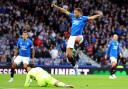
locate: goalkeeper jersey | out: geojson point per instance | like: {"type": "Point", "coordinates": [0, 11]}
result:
{"type": "Point", "coordinates": [36, 73]}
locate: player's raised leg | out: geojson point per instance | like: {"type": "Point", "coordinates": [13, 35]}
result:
{"type": "Point", "coordinates": [70, 57]}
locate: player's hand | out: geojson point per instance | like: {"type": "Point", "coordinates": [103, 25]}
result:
{"type": "Point", "coordinates": [100, 13]}
{"type": "Point", "coordinates": [106, 57]}
{"type": "Point", "coordinates": [121, 56]}
{"type": "Point", "coordinates": [53, 5]}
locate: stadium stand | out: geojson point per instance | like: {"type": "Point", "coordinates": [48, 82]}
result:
{"type": "Point", "coordinates": [49, 29]}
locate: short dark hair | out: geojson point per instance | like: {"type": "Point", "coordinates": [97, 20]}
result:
{"type": "Point", "coordinates": [31, 65]}
{"type": "Point", "coordinates": [79, 10]}
{"type": "Point", "coordinates": [24, 32]}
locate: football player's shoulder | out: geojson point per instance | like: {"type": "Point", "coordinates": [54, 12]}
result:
{"type": "Point", "coordinates": [38, 68]}
{"type": "Point", "coordinates": [29, 40]}
{"type": "Point", "coordinates": [85, 18]}
{"type": "Point", "coordinates": [20, 39]}
{"type": "Point", "coordinates": [111, 41]}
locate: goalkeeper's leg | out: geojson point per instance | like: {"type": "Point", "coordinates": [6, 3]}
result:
{"type": "Point", "coordinates": [61, 84]}
{"type": "Point", "coordinates": [52, 81]}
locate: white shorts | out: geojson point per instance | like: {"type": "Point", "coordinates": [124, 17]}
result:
{"type": "Point", "coordinates": [113, 59]}
{"type": "Point", "coordinates": [20, 59]}
{"type": "Point", "coordinates": [71, 41]}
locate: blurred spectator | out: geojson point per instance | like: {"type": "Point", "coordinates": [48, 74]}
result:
{"type": "Point", "coordinates": [125, 52]}
{"type": "Point", "coordinates": [54, 53]}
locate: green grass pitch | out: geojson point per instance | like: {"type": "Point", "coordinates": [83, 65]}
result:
{"type": "Point", "coordinates": [79, 82]}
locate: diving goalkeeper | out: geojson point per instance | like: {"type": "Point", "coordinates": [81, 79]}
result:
{"type": "Point", "coordinates": [43, 78]}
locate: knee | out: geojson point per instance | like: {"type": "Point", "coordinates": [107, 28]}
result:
{"type": "Point", "coordinates": [69, 55]}
{"type": "Point", "coordinates": [25, 66]}
{"type": "Point", "coordinates": [114, 64]}
{"type": "Point", "coordinates": [42, 84]}
{"type": "Point", "coordinates": [13, 65]}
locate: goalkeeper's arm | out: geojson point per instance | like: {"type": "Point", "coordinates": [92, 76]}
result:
{"type": "Point", "coordinates": [61, 9]}
{"type": "Point", "coordinates": [27, 82]}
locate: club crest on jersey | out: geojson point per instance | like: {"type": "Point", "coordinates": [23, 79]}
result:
{"type": "Point", "coordinates": [23, 48]}
{"type": "Point", "coordinates": [27, 43]}
{"type": "Point", "coordinates": [76, 22]}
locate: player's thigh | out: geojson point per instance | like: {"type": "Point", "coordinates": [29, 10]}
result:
{"type": "Point", "coordinates": [80, 39]}
{"type": "Point", "coordinates": [69, 51]}
{"type": "Point", "coordinates": [25, 61]}
{"type": "Point", "coordinates": [17, 60]}
{"type": "Point", "coordinates": [42, 82]}
{"type": "Point", "coordinates": [113, 60]}
{"type": "Point", "coordinates": [51, 81]}
{"type": "Point", "coordinates": [71, 42]}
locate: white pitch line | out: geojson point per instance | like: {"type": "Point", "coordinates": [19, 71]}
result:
{"type": "Point", "coordinates": [8, 88]}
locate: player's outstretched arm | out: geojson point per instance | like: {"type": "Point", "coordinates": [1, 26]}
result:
{"type": "Point", "coordinates": [60, 9]}
{"type": "Point", "coordinates": [108, 50]}
{"type": "Point", "coordinates": [27, 82]}
{"type": "Point", "coordinates": [99, 14]}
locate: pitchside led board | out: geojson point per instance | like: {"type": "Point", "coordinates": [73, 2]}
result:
{"type": "Point", "coordinates": [70, 71]}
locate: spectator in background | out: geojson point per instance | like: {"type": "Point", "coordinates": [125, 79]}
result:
{"type": "Point", "coordinates": [38, 42]}
{"type": "Point", "coordinates": [46, 53]}
{"type": "Point", "coordinates": [90, 50]}
{"type": "Point", "coordinates": [54, 52]}
{"type": "Point", "coordinates": [124, 58]}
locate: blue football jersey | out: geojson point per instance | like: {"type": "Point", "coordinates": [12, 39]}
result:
{"type": "Point", "coordinates": [24, 47]}
{"type": "Point", "coordinates": [114, 49]}
{"type": "Point", "coordinates": [78, 24]}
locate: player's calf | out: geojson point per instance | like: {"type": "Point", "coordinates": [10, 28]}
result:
{"type": "Point", "coordinates": [69, 54]}
{"type": "Point", "coordinates": [113, 70]}
{"type": "Point", "coordinates": [12, 72]}
{"type": "Point", "coordinates": [25, 67]}
{"type": "Point", "coordinates": [61, 84]}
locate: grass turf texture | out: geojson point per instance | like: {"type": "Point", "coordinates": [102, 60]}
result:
{"type": "Point", "coordinates": [79, 82]}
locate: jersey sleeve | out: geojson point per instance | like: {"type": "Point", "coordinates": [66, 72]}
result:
{"type": "Point", "coordinates": [31, 44]}
{"type": "Point", "coordinates": [85, 18]}
{"type": "Point", "coordinates": [71, 15]}
{"type": "Point", "coordinates": [27, 81]}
